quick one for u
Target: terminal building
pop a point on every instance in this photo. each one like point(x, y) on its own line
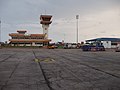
point(106, 42)
point(22, 39)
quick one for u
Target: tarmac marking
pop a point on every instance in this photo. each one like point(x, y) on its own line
point(44, 60)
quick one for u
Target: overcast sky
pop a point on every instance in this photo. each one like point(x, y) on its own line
point(97, 18)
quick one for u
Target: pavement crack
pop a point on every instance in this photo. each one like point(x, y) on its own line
point(41, 68)
point(7, 58)
point(2, 88)
point(67, 58)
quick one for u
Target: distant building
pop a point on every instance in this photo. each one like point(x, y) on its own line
point(106, 42)
point(23, 39)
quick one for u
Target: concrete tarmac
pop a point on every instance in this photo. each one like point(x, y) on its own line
point(59, 69)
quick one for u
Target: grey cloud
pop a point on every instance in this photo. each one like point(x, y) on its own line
point(113, 35)
point(103, 32)
point(25, 9)
point(14, 12)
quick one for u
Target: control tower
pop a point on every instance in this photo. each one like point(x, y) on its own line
point(45, 20)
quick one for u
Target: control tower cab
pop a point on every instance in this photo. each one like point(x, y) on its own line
point(45, 20)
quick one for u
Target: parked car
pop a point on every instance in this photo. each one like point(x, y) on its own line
point(117, 48)
point(86, 48)
point(92, 48)
point(70, 46)
point(73, 46)
point(52, 46)
point(100, 48)
point(67, 46)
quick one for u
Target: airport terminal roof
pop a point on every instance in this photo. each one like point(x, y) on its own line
point(105, 39)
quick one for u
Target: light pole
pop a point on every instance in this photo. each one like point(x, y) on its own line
point(64, 37)
point(0, 33)
point(77, 17)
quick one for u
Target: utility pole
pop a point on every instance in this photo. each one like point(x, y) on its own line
point(77, 17)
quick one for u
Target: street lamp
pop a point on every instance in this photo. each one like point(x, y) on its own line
point(77, 17)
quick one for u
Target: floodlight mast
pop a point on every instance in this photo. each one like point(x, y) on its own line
point(77, 17)
point(0, 33)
